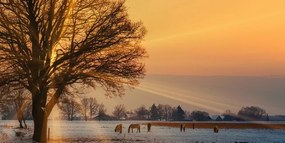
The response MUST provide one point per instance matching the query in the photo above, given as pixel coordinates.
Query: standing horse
(216, 129)
(182, 127)
(132, 126)
(119, 128)
(148, 127)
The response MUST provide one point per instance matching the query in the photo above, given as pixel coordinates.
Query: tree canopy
(178, 114)
(251, 113)
(199, 115)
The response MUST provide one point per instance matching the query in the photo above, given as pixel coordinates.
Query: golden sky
(213, 37)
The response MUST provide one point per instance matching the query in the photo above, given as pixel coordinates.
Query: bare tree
(142, 113)
(19, 101)
(120, 112)
(161, 111)
(101, 112)
(84, 108)
(167, 112)
(69, 108)
(51, 47)
(93, 106)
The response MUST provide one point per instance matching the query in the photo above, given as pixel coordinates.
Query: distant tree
(168, 110)
(154, 112)
(161, 111)
(199, 115)
(84, 107)
(142, 113)
(69, 108)
(251, 113)
(229, 116)
(178, 114)
(93, 106)
(102, 112)
(16, 102)
(8, 112)
(22, 101)
(187, 115)
(119, 112)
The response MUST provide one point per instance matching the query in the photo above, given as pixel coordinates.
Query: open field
(224, 125)
(161, 132)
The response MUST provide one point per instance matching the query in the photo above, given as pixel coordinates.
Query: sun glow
(194, 99)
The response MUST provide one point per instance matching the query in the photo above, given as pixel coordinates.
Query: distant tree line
(163, 112)
(90, 109)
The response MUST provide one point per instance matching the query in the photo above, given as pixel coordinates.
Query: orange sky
(210, 37)
(213, 37)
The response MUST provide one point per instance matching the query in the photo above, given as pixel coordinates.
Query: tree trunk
(40, 116)
(40, 125)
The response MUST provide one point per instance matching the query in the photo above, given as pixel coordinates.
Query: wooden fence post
(48, 134)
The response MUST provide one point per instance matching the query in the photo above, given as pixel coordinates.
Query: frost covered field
(103, 131)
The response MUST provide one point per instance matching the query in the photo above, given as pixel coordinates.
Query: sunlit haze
(209, 55)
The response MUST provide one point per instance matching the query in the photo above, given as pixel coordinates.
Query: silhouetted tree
(84, 107)
(16, 102)
(52, 47)
(161, 112)
(142, 113)
(93, 107)
(187, 115)
(251, 113)
(199, 115)
(102, 112)
(178, 114)
(154, 112)
(168, 110)
(119, 112)
(69, 107)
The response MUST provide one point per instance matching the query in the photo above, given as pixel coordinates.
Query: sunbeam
(177, 97)
(214, 28)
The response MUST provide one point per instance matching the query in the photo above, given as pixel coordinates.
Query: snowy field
(103, 131)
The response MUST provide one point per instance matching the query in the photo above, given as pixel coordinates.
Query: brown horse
(119, 128)
(132, 126)
(148, 127)
(216, 129)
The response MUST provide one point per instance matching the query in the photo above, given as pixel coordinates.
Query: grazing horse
(182, 127)
(216, 129)
(119, 128)
(132, 126)
(148, 127)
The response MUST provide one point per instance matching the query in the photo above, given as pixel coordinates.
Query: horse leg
(21, 125)
(25, 123)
